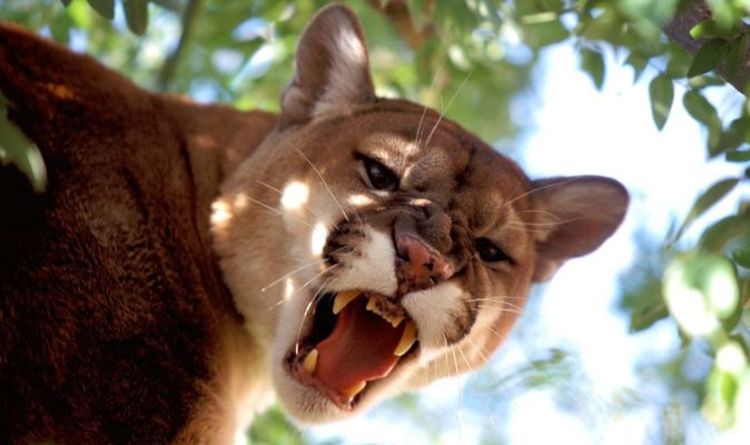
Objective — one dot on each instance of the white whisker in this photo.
(538, 189)
(460, 390)
(272, 188)
(309, 305)
(424, 110)
(288, 274)
(325, 184)
(450, 102)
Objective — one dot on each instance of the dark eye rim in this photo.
(368, 162)
(490, 252)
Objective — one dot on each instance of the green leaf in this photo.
(737, 54)
(705, 201)
(719, 234)
(678, 63)
(105, 8)
(721, 389)
(639, 64)
(700, 109)
(700, 82)
(536, 7)
(604, 27)
(661, 91)
(738, 156)
(593, 63)
(734, 136)
(171, 5)
(17, 149)
(708, 57)
(643, 320)
(542, 34)
(741, 256)
(710, 29)
(60, 28)
(66, 2)
(136, 14)
(700, 290)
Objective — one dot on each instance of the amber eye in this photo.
(491, 253)
(380, 176)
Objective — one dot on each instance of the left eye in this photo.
(491, 253)
(380, 176)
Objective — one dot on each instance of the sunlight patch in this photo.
(318, 239)
(288, 289)
(295, 195)
(240, 201)
(360, 200)
(221, 213)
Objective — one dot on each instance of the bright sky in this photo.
(578, 130)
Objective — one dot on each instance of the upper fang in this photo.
(343, 299)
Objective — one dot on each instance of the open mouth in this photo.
(356, 339)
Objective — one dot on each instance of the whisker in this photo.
(511, 309)
(460, 391)
(538, 189)
(497, 334)
(309, 305)
(485, 355)
(270, 187)
(282, 299)
(544, 212)
(545, 224)
(320, 175)
(278, 212)
(500, 298)
(424, 110)
(288, 274)
(450, 102)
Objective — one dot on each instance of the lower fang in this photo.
(352, 391)
(408, 337)
(310, 363)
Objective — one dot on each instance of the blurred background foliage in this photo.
(240, 52)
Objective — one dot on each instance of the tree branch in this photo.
(397, 11)
(679, 28)
(170, 65)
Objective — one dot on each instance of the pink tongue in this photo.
(360, 348)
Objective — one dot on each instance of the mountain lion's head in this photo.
(372, 245)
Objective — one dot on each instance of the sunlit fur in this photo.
(442, 169)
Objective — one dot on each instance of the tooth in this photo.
(342, 299)
(352, 391)
(407, 339)
(310, 363)
(372, 305)
(395, 321)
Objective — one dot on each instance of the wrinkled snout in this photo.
(418, 266)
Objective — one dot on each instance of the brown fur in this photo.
(111, 305)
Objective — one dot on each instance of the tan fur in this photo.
(164, 286)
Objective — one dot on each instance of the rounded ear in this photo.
(332, 68)
(578, 214)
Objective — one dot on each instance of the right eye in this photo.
(380, 176)
(489, 252)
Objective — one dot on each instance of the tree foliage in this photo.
(478, 55)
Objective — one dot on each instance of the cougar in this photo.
(188, 264)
